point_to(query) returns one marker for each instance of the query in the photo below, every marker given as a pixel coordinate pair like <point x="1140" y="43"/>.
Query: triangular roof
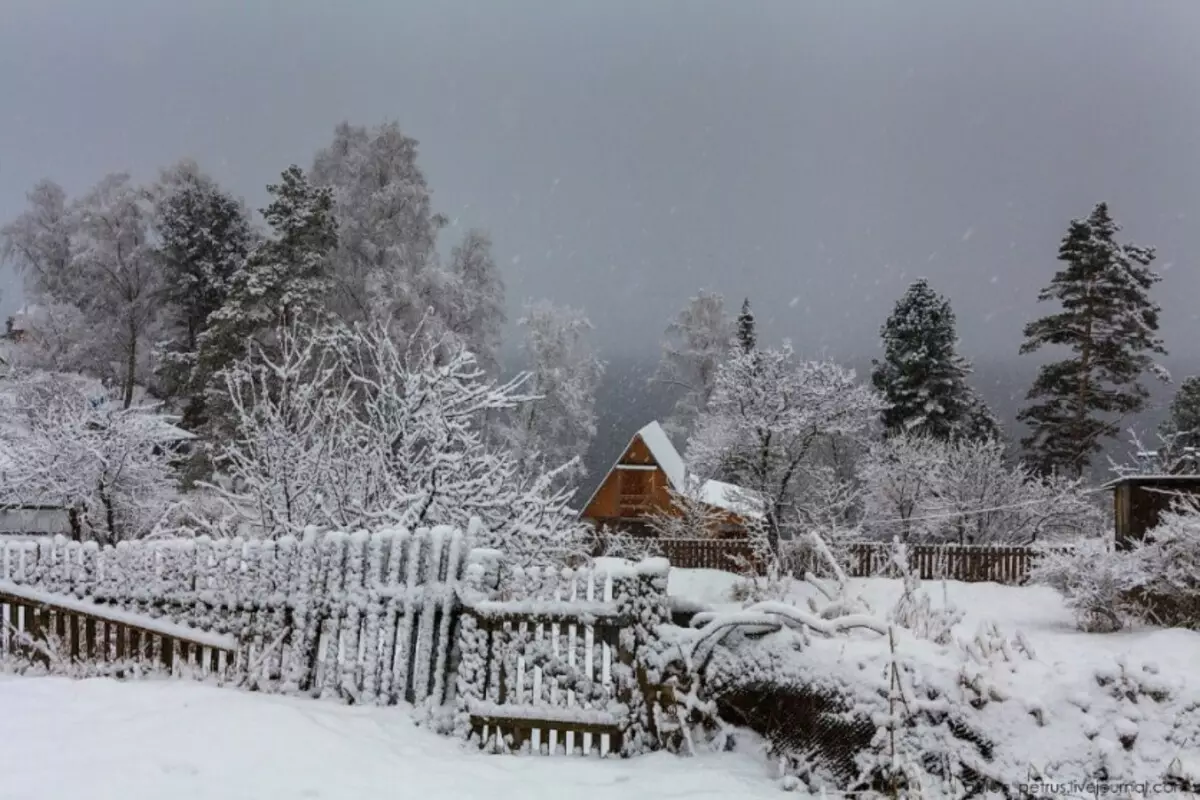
<point x="715" y="493"/>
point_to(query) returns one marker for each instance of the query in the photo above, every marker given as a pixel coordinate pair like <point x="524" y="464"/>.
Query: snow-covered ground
<point x="62" y="739"/>
<point x="1035" y="611"/>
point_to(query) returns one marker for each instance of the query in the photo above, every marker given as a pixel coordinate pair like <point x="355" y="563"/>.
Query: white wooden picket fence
<point x="366" y="618"/>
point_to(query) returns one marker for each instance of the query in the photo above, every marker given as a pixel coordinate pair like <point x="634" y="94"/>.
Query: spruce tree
<point x="204" y="237"/>
<point x="921" y="377"/>
<point x="747" y="337"/>
<point x="1109" y="325"/>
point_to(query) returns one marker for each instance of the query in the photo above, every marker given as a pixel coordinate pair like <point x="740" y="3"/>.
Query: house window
<point x="636" y="485"/>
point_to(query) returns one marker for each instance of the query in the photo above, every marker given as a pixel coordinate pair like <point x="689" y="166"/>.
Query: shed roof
<point x="1153" y="478"/>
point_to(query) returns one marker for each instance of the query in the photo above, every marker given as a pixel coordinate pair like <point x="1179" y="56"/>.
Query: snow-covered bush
<point x="1168" y="566"/>
<point x="66" y="443"/>
<point x="1094" y="579"/>
<point x="349" y="428"/>
<point x="968" y="492"/>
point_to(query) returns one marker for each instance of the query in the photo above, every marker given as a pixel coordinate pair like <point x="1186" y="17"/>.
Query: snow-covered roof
<point x="1165" y="477"/>
<point x="664" y="453"/>
<point x="715" y="493"/>
<point x="731" y="498"/>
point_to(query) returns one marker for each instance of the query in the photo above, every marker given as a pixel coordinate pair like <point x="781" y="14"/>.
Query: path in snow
<point x="107" y="740"/>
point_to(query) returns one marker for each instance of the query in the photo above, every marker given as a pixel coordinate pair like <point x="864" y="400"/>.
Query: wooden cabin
<point x="1139" y="501"/>
<point x="639" y="486"/>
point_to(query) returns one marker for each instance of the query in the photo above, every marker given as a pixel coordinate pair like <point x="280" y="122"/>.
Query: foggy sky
<point x="624" y="153"/>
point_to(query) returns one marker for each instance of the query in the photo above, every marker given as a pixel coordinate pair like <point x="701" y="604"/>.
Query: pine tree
<point x="204" y="237"/>
<point x="285" y="280"/>
<point x="747" y="336"/>
<point x="921" y="377"/>
<point x="1110" y="325"/>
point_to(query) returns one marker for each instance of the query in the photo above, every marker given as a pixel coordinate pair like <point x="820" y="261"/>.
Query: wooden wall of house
<point x="605" y="507"/>
<point x="606" y="504"/>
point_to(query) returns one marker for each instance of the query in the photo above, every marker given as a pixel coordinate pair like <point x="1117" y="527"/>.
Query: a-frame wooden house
<point x="640" y="484"/>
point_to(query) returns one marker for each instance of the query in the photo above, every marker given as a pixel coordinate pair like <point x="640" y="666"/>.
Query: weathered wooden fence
<point x="971" y="563"/>
<point x="362" y="617"/>
<point x="43" y="628"/>
<point x="549" y="658"/>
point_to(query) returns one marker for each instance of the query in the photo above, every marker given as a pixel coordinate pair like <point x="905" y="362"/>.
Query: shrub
<point x="1096" y="582"/>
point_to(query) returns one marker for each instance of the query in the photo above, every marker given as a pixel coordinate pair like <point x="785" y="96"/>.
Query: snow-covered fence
<point x="549" y="659"/>
<point x="362" y="617"/>
<point x="956" y="562"/>
<point x="970" y="563"/>
<point x="39" y="627"/>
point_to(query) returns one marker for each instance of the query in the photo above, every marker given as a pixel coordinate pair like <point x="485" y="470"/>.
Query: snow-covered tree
<point x="66" y="443"/>
<point x="474" y="305"/>
<point x="747" y="335"/>
<point x="563" y="372"/>
<point x="922" y="377"/>
<point x="920" y="489"/>
<point x="114" y="277"/>
<point x="38" y="242"/>
<point x="1180" y="432"/>
<point x="56" y="337"/>
<point x="1110" y="326"/>
<point x="384" y="264"/>
<point x="203" y="238"/>
<point x="766" y="420"/>
<point x="351" y="428"/>
<point x="697" y="342"/>
<point x="286" y="279"/>
<point x="95" y="254"/>
<point x="900" y="477"/>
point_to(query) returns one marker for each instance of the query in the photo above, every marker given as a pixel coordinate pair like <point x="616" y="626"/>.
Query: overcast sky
<point x="816" y="156"/>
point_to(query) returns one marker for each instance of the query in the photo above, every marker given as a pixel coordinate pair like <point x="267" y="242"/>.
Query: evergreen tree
<point x="921" y="377"/>
<point x="747" y="336"/>
<point x="1110" y="326"/>
<point x="283" y="281"/>
<point x="204" y="236"/>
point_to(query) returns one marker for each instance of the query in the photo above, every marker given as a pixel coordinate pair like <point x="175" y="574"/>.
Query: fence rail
<point x="41" y="628"/>
<point x="970" y="563"/>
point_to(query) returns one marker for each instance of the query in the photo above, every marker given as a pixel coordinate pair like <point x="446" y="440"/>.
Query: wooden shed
<point x="1139" y="501"/>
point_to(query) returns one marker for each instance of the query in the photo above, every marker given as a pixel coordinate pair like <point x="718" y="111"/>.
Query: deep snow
<point x="107" y="740"/>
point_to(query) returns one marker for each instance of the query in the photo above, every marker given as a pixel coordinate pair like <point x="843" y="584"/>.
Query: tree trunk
<point x="131" y="362"/>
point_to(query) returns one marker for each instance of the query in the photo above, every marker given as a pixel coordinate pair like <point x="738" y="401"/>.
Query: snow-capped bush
<point x="1168" y="565"/>
<point x="965" y="491"/>
<point x="1094" y="579"/>
<point x="349" y="428"/>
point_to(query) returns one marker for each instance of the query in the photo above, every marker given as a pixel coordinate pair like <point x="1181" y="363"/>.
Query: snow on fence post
<point x="640" y="595"/>
<point x="372" y="582"/>
<point x="481" y="579"/>
<point x="333" y="554"/>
